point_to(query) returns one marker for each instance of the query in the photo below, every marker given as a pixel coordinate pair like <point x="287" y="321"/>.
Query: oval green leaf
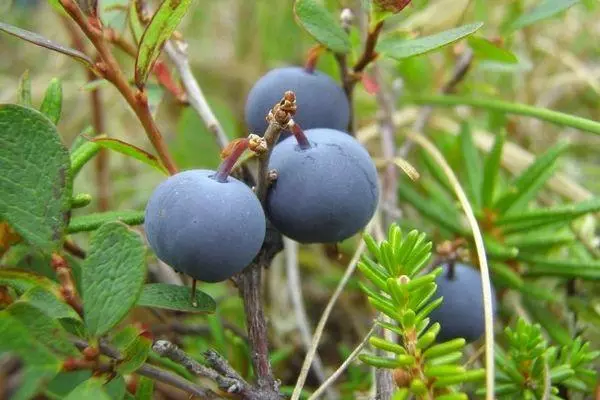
<point x="321" y="25"/>
<point x="400" y="49"/>
<point x="39" y="40"/>
<point x="112" y="276"/>
<point x="91" y="222"/>
<point x="484" y="50"/>
<point x="546" y="9"/>
<point x="36" y="177"/>
<point x="52" y="104"/>
<point x="92" y="389"/>
<point x="161" y="27"/>
<point x="131" y="151"/>
<point x="173" y="297"/>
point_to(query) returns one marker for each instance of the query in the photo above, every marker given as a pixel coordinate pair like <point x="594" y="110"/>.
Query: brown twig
<point x="249" y="280"/>
<point x="110" y="70"/>
<point x="74" y="249"/>
<point x="120" y="42"/>
<point x="155" y="373"/>
<point x="67" y="283"/>
<point x="369" y="54"/>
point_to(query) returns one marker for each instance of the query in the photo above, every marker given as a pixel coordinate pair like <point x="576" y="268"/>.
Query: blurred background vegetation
<point x="234" y="42"/>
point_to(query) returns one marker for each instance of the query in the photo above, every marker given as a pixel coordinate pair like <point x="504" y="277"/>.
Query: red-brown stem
<point x="301" y="138"/>
<point x="313" y="57"/>
<point x="119" y="41"/>
<point x="110" y="70"/>
<point x="67" y="284"/>
<point x="233" y="153"/>
<point x="369" y="54"/>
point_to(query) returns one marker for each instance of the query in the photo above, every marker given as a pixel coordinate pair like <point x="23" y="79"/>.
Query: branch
<point x="176" y="51"/>
<point x="249" y="280"/>
<point x="369" y="54"/>
<point x="111" y="71"/>
<point x="155" y="373"/>
<point x="167" y="349"/>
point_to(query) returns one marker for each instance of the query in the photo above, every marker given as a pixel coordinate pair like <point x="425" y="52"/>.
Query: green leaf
<point x="472" y="165"/>
<point x="49" y="303"/>
<point x="498" y="251"/>
<point x="546" y="9"/>
<point x="380" y="362"/>
<point x="48" y="331"/>
<point x="469" y="376"/>
<point x="24" y="90"/>
<point x="566" y="269"/>
<point x="116" y="388"/>
<point x="558" y="214"/>
<point x="113" y="13"/>
<point x="173" y="297"/>
<point x="531" y="179"/>
<point x="135" y="25"/>
<point x="43" y="42"/>
<point x="145" y="389"/>
<point x="17" y="339"/>
<point x="401" y="49"/>
<point x="65" y="382"/>
<point x="92" y="389"/>
<point x="132" y="151"/>
<point x="23" y="280"/>
<point x="539" y="240"/>
<point x="321" y="25"/>
<point x="134" y="347"/>
<point x="36" y="178"/>
<point x="485" y="50"/>
<point x="93" y="221"/>
<point x="442" y="349"/>
<point x="32" y="379"/>
<point x="449" y="222"/>
<point x="161" y="27"/>
<point x="52" y="103"/>
<point x="82" y="154"/>
<point x="113" y="276"/>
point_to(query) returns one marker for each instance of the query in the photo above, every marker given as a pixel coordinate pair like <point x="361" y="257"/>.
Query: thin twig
<point x="295" y="290"/>
<point x="481" y="255"/>
<point x="324" y="317"/>
<point x="333" y="377"/>
<point x="110" y="70"/>
<point x="176" y="51"/>
<point x="68" y="289"/>
<point x="155" y="373"/>
<point x="167" y="349"/>
<point x="250" y="279"/>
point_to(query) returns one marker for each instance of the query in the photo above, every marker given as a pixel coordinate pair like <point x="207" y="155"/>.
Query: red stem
<point x="232" y="153"/>
<point x="300" y="136"/>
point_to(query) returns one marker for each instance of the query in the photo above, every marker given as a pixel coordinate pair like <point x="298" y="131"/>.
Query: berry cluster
<point x="210" y="225"/>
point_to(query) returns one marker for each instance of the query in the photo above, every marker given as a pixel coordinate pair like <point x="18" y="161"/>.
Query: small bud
<point x="272" y="175"/>
<point x="401" y="378"/>
<point x="403" y="279"/>
<point x="257" y="144"/>
<point x="90" y="353"/>
<point x="346" y="18"/>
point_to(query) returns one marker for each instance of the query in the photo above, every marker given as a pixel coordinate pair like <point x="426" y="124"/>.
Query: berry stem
<point x="312" y="58"/>
<point x="299" y="135"/>
<point x="230" y="155"/>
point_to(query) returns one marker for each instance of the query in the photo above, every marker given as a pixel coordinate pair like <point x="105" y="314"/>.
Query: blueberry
<point x="207" y="229"/>
<point x="461" y="312"/>
<point x="324" y="193"/>
<point x="321" y="101"/>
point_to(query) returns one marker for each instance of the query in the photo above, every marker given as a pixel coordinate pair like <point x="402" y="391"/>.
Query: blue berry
<point x="324" y="193"/>
<point x="207" y="229"/>
<point x="321" y="101"/>
<point x="461" y="312"/>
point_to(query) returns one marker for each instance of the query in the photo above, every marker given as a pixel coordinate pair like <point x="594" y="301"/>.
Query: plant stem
<point x="195" y="95"/>
<point x="110" y="70"/>
<point x="237" y="149"/>
<point x="67" y="283"/>
<point x="543" y="114"/>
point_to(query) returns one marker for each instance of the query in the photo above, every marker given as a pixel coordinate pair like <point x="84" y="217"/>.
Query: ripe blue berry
<point x="321" y="101"/>
<point x="326" y="190"/>
<point x="205" y="228"/>
<point x="461" y="312"/>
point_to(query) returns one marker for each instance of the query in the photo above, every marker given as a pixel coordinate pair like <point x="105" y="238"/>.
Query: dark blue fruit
<point x="320" y="100"/>
<point x="207" y="229"/>
<point x="461" y="312"/>
<point x="324" y="193"/>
